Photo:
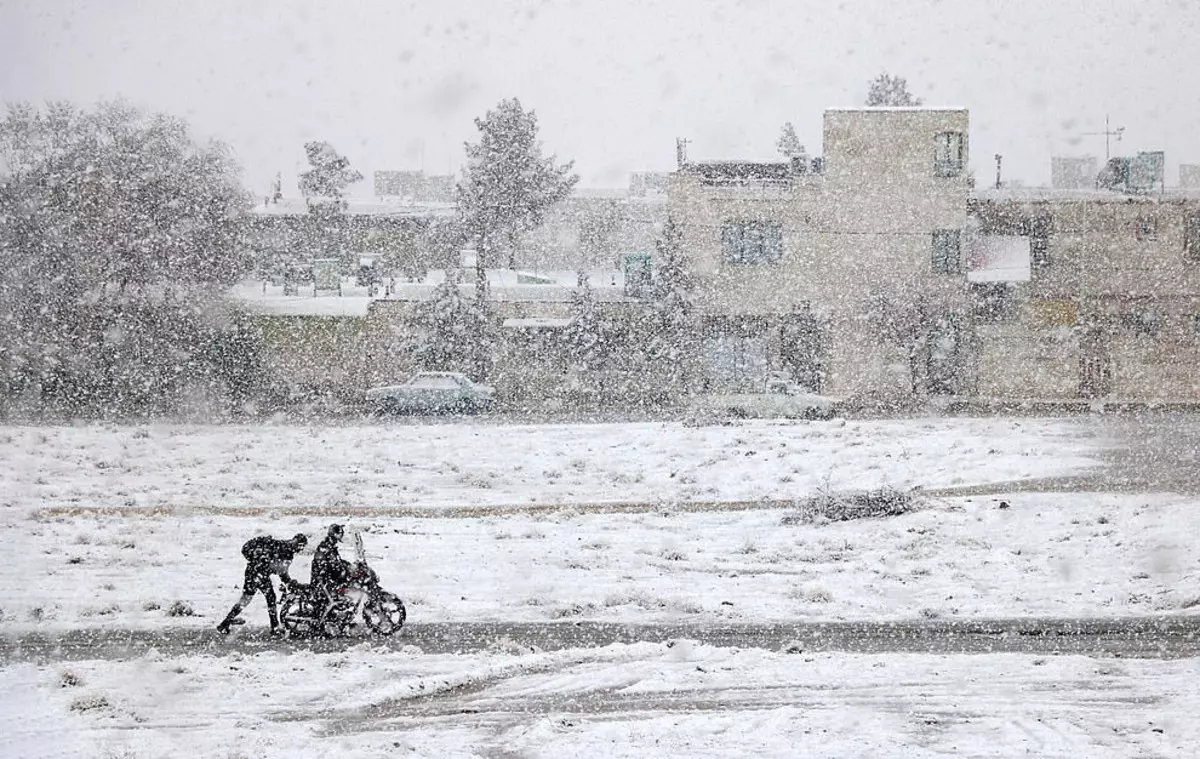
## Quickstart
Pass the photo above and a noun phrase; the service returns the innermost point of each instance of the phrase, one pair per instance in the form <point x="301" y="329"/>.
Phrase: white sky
<point x="395" y="84"/>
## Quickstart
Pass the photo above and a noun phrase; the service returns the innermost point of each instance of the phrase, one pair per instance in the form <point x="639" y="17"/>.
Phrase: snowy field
<point x="1046" y="555"/>
<point x="221" y="486"/>
<point x="661" y="700"/>
<point x="163" y="511"/>
<point x="411" y="466"/>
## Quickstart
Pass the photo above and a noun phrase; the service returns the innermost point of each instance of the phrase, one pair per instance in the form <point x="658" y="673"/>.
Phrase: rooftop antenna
<point x="1107" y="133"/>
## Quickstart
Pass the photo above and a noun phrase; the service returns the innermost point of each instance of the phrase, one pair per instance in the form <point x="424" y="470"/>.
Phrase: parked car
<point x="781" y="399"/>
<point x="432" y="392"/>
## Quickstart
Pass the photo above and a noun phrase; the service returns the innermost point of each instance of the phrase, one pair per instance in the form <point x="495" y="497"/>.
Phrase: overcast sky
<point x="395" y="84"/>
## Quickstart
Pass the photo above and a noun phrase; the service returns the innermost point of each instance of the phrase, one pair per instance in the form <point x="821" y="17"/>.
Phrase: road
<point x="1140" y="637"/>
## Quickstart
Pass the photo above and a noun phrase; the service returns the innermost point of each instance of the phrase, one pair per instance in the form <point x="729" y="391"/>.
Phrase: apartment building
<point x="879" y="271"/>
<point x="1111" y="308"/>
<point x="828" y="269"/>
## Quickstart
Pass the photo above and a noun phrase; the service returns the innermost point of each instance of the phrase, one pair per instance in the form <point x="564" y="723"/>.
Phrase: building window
<point x="1039" y="252"/>
<point x="947" y="251"/>
<point x="949" y="154"/>
<point x="1039" y="241"/>
<point x="1141" y="323"/>
<point x="752" y="242"/>
<point x="1191" y="237"/>
<point x="994" y="301"/>
<point x="1146" y="228"/>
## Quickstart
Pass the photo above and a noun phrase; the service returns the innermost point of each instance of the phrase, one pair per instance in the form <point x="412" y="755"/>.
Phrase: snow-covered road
<point x="677" y="699"/>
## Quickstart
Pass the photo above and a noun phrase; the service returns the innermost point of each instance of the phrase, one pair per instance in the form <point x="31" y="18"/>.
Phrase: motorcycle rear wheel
<point x="384" y="614"/>
<point x="297" y="617"/>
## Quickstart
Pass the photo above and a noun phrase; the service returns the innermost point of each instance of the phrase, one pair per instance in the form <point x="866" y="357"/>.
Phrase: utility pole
<point x="998" y="159"/>
<point x="1107" y="133"/>
<point x="681" y="144"/>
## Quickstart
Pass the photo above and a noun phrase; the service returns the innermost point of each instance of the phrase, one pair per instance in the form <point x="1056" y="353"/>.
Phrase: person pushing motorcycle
<point x="265" y="556"/>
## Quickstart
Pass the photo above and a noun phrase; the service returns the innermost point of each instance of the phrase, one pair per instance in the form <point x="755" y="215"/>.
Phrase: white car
<point x="432" y="392"/>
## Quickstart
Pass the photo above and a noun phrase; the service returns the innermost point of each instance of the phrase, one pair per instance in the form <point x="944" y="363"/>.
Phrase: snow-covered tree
<point x="916" y="320"/>
<point x="116" y="231"/>
<point x="460" y="335"/>
<point x="329" y="172"/>
<point x="886" y="89"/>
<point x="788" y="143"/>
<point x="583" y="336"/>
<point x="672" y="339"/>
<point x="323" y="184"/>
<point x="598" y="225"/>
<point x="508" y="183"/>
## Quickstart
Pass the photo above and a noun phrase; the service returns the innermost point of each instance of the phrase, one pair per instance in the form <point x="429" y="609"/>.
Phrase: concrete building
<point x="1111" y="308"/>
<point x="829" y="275"/>
<point x="415" y="186"/>
<point x="1073" y="173"/>
<point x="886" y="275"/>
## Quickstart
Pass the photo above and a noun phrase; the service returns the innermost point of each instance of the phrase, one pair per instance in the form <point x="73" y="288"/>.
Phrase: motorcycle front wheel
<point x="384" y="614"/>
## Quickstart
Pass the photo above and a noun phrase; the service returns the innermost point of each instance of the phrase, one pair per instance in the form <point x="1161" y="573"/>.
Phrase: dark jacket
<point x="267" y="555"/>
<point x="329" y="568"/>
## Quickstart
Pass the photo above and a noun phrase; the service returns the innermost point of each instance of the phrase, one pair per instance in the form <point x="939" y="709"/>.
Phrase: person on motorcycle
<point x="265" y="556"/>
<point x="329" y="569"/>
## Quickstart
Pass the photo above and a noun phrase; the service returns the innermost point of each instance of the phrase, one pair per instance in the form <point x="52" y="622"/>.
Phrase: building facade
<point x="874" y="273"/>
<point x="879" y="272"/>
<point x="1112" y="306"/>
<point x="790" y="261"/>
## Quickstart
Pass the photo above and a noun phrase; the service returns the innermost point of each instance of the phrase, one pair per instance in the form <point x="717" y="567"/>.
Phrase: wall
<point x="317" y="355"/>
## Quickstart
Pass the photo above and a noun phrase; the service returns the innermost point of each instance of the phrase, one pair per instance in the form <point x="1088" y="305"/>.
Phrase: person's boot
<point x="231" y="618"/>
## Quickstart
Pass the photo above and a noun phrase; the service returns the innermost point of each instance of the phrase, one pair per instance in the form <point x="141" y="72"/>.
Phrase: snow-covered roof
<point x="898" y="108"/>
<point x="353" y="302"/>
<point x="358" y="207"/>
<point x="1092" y="195"/>
<point x="503" y="285"/>
<point x="999" y="258"/>
<point x="614" y="193"/>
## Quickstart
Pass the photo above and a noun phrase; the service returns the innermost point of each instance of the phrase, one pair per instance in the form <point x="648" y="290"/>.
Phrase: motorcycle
<point x="307" y="611"/>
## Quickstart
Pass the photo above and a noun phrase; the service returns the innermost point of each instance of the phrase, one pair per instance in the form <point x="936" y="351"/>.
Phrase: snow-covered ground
<point x="222" y="485"/>
<point x="1046" y="555"/>
<point x="671" y="700"/>
<point x="385" y="467"/>
<point x="117" y="564"/>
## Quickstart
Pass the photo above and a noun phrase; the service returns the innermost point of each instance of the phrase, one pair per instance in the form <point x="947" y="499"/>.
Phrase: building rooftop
<point x="737" y="171"/>
<point x="503" y="285"/>
<point x="1036" y="194"/>
<point x="357" y="207"/>
<point x="898" y="108"/>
